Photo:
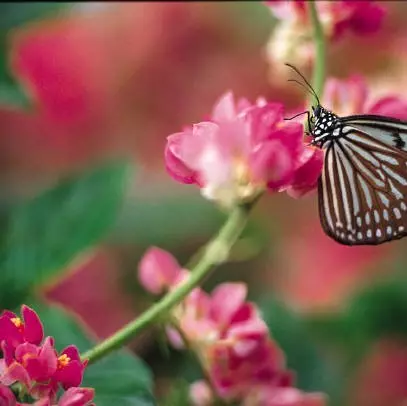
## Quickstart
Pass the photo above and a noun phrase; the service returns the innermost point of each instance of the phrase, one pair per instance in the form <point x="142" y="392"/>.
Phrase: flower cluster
<point x="242" y="150"/>
<point x="292" y="40"/>
<point x="240" y="359"/>
<point x="32" y="369"/>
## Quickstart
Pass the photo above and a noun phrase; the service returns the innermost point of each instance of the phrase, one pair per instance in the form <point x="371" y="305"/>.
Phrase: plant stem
<point x="216" y="252"/>
<point x="318" y="78"/>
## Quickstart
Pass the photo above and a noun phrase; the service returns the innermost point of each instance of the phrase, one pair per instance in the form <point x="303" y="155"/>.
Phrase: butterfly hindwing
<point x="363" y="185"/>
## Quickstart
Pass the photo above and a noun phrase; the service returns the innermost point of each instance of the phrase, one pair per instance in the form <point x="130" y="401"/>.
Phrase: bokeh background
<point x="111" y="81"/>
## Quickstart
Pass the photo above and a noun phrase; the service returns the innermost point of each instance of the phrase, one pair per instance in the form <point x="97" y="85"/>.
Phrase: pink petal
<point x="174" y="337"/>
<point x="367" y="17"/>
<point x="70" y="375"/>
<point x="253" y="329"/>
<point x="9" y="332"/>
<point x="224" y="109"/>
<point x="174" y="164"/>
<point x="48" y="358"/>
<point x="307" y="175"/>
<point x="8" y="353"/>
<point x="72" y="352"/>
<point x="33" y="331"/>
<point x="262" y="121"/>
<point x="15" y="373"/>
<point x="226" y="300"/>
<point x="7" y="397"/>
<point x="24" y="350"/>
<point x="77" y="397"/>
<point x="158" y="270"/>
<point x="272" y="164"/>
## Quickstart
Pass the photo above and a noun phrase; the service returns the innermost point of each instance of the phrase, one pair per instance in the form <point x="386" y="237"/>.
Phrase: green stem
<point x="215" y="253"/>
<point x="318" y="79"/>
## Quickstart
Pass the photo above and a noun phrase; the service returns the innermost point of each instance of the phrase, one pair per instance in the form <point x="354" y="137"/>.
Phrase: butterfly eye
<point x="316" y="110"/>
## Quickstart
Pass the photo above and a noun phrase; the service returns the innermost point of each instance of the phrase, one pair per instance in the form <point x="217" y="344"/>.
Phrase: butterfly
<point x="362" y="189"/>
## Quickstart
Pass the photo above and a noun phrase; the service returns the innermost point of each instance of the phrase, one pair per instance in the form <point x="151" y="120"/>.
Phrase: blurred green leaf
<point x="46" y="233"/>
<point x="314" y="370"/>
<point x="119" y="379"/>
<point x="166" y="220"/>
<point x="178" y="394"/>
<point x="13" y="15"/>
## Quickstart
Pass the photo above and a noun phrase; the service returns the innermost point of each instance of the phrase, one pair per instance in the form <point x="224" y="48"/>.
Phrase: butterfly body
<point x="363" y="187"/>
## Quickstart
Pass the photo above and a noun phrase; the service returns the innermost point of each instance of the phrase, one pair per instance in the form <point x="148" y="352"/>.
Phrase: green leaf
<point x="45" y="234"/>
<point x="119" y="379"/>
<point x="314" y="370"/>
<point x="13" y="15"/>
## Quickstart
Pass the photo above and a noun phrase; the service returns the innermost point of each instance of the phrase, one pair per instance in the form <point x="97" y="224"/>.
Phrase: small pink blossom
<point x="35" y="365"/>
<point x="70" y="368"/>
<point x="158" y="270"/>
<point x="15" y="330"/>
<point x="31" y="363"/>
<point x="242" y="151"/>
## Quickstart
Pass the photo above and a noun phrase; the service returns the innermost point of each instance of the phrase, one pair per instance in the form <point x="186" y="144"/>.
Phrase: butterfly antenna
<point x="297" y="115"/>
<point x="305" y="80"/>
<point x="302" y="85"/>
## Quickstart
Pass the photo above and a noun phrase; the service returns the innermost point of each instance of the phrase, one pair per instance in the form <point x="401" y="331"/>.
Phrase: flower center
<point x="63" y="361"/>
<point x="18" y="323"/>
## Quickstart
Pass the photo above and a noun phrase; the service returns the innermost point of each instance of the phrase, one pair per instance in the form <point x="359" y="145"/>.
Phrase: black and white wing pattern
<point x="363" y="186"/>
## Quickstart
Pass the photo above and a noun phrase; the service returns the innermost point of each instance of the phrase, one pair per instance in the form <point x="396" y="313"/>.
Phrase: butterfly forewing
<point x="363" y="184"/>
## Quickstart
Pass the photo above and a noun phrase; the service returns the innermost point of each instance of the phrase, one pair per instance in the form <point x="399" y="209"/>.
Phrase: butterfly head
<point x="323" y="124"/>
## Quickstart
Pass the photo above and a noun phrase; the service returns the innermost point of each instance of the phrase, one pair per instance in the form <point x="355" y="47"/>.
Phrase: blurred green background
<point x="88" y="94"/>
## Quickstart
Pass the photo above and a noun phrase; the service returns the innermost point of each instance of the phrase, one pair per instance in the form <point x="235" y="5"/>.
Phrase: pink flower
<point x="351" y="96"/>
<point x="158" y="270"/>
<point x="15" y="331"/>
<point x="70" y="368"/>
<point x="7" y="397"/>
<point x="242" y="151"/>
<point x="31" y="363"/>
<point x="231" y="339"/>
<point x="234" y="373"/>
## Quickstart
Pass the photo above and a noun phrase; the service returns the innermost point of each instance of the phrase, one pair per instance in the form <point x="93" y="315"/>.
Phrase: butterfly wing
<point x="363" y="184"/>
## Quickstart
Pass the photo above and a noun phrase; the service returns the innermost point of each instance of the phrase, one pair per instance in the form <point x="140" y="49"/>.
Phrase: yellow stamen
<point x="18" y="323"/>
<point x="63" y="361"/>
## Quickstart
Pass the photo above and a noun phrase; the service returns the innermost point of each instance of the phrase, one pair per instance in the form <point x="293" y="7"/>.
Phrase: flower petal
<point x="174" y="164"/>
<point x="158" y="270"/>
<point x="7" y="397"/>
<point x="33" y="331"/>
<point x="307" y="175"/>
<point x="226" y="299"/>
